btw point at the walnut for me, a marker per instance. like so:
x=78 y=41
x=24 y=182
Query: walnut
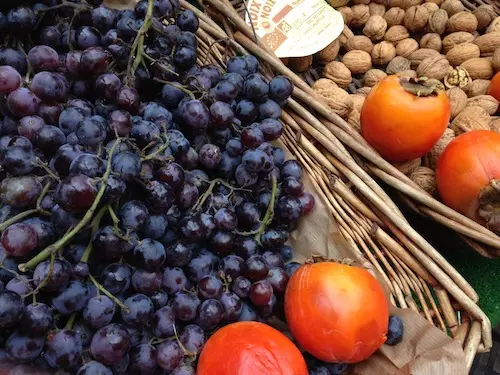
x=336 y=98
x=495 y=61
x=373 y=76
x=452 y=7
x=338 y=73
x=360 y=15
x=426 y=179
x=376 y=9
x=300 y=64
x=365 y=2
x=347 y=14
x=329 y=53
x=345 y=36
x=354 y=119
x=462 y=21
x=437 y=2
x=338 y=3
x=494 y=25
x=461 y=53
x=431 y=41
x=458 y=100
x=375 y=28
x=484 y=14
x=451 y=40
x=416 y=18
x=437 y=21
x=406 y=47
x=357 y=102
x=285 y=60
x=408 y=166
x=487 y=102
x=477 y=87
x=488 y=43
x=431 y=7
x=397 y=65
x=495 y=125
x=457 y=77
x=396 y=34
x=419 y=55
x=358 y=62
x=408 y=73
x=436 y=67
x=478 y=68
x=359 y=42
x=363 y=90
x=432 y=157
x=405 y=4
x=394 y=16
x=383 y=52
x=471 y=118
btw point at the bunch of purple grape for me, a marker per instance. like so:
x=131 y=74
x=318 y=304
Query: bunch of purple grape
x=144 y=203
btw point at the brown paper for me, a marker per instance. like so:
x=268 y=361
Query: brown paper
x=425 y=349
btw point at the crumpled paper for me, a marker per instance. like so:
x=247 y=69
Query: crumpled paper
x=425 y=349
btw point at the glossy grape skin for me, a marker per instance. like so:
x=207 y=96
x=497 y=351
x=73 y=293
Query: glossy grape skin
x=10 y=79
x=53 y=280
x=396 y=330
x=19 y=239
x=108 y=85
x=99 y=311
x=245 y=247
x=271 y=128
x=142 y=359
x=146 y=282
x=280 y=88
x=232 y=266
x=11 y=308
x=94 y=61
x=163 y=322
x=307 y=203
x=133 y=215
x=185 y=306
x=211 y=314
x=50 y=87
x=72 y=298
x=109 y=245
x=110 y=344
x=37 y=319
x=232 y=306
x=140 y=310
x=91 y=131
x=128 y=100
x=192 y=338
x=252 y=137
x=210 y=287
x=94 y=368
x=20 y=191
x=289 y=208
x=256 y=88
x=23 y=102
x=169 y=355
x=21 y=348
x=21 y=20
x=14 y=58
x=63 y=349
x=18 y=160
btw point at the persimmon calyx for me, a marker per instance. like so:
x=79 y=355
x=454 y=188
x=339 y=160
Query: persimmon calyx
x=318 y=258
x=489 y=205
x=421 y=86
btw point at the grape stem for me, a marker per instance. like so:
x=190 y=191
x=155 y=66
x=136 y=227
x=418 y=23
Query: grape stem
x=105 y=291
x=46 y=279
x=94 y=225
x=64 y=4
x=177 y=86
x=45 y=253
x=210 y=189
x=71 y=321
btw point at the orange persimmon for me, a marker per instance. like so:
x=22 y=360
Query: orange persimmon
x=336 y=312
x=250 y=348
x=402 y=118
x=468 y=176
x=494 y=89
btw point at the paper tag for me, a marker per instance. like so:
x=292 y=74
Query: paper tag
x=294 y=28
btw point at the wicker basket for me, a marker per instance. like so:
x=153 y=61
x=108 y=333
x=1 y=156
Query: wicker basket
x=339 y=165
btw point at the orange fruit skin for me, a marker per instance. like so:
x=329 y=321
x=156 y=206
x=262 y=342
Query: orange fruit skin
x=336 y=312
x=250 y=348
x=400 y=125
x=467 y=165
x=494 y=89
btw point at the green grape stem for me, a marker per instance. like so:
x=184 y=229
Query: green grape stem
x=45 y=253
x=105 y=291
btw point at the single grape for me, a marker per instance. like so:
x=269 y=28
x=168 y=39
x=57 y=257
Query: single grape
x=192 y=338
x=133 y=215
x=256 y=88
x=54 y=277
x=21 y=348
x=110 y=344
x=109 y=245
x=76 y=193
x=252 y=137
x=238 y=65
x=50 y=87
x=187 y=21
x=291 y=267
x=169 y=355
x=232 y=306
x=185 y=306
x=396 y=330
x=37 y=320
x=146 y=282
x=225 y=91
x=222 y=242
x=232 y=266
x=256 y=268
x=280 y=88
x=241 y=287
x=63 y=349
x=21 y=20
x=43 y=58
x=210 y=287
x=271 y=128
x=291 y=168
x=99 y=311
x=307 y=202
x=19 y=192
x=19 y=239
x=94 y=61
x=72 y=298
x=50 y=112
x=248 y=214
x=48 y=139
x=91 y=131
x=274 y=238
x=11 y=309
x=94 y=368
x=140 y=310
x=23 y=102
x=10 y=79
x=261 y=293
x=142 y=359
x=163 y=322
x=289 y=208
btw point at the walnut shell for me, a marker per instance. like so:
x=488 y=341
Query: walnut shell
x=484 y=14
x=338 y=3
x=494 y=25
x=452 y=7
x=383 y=52
x=432 y=157
x=461 y=53
x=354 y=119
x=357 y=102
x=360 y=15
x=416 y=18
x=408 y=73
x=363 y=90
x=495 y=61
x=336 y=98
x=376 y=9
x=365 y=2
x=436 y=67
x=419 y=55
x=478 y=68
x=358 y=62
x=338 y=73
x=329 y=53
x=458 y=100
x=396 y=34
x=359 y=42
x=488 y=43
x=437 y=21
x=347 y=14
x=406 y=47
x=431 y=41
x=471 y=118
x=487 y=102
x=477 y=87
x=462 y=21
x=394 y=16
x=495 y=125
x=373 y=76
x=300 y=64
x=404 y=4
x=426 y=179
x=431 y=7
x=397 y=65
x=451 y=40
x=408 y=166
x=437 y=2
x=345 y=35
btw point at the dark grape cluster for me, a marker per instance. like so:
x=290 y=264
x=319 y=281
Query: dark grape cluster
x=144 y=201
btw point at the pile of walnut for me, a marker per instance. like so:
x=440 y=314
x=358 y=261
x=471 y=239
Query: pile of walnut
x=433 y=38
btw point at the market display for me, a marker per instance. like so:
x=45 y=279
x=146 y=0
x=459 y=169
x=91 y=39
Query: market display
x=144 y=204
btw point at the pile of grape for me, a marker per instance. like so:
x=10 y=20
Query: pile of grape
x=143 y=202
